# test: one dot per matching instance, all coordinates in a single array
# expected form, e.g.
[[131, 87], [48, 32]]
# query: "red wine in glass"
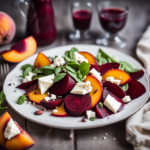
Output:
[[112, 19], [82, 19]]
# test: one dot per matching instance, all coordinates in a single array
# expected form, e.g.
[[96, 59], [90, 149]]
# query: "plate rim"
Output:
[[90, 126]]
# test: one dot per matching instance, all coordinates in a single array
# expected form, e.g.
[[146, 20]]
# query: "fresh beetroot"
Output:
[[63, 86], [76, 105], [106, 93], [52, 104], [137, 75], [93, 66], [105, 67], [23, 86], [136, 89], [31, 88], [115, 89]]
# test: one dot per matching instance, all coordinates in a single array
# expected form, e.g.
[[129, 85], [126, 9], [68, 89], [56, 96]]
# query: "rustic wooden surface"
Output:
[[57, 139]]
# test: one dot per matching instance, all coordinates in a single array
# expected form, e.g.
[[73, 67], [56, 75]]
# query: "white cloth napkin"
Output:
[[138, 125]]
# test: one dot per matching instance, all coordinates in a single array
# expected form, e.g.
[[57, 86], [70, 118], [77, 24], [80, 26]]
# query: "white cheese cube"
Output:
[[113, 80], [11, 130], [47, 98], [82, 88], [112, 104], [78, 57], [90, 114], [126, 99], [53, 96], [96, 74], [45, 83], [29, 77]]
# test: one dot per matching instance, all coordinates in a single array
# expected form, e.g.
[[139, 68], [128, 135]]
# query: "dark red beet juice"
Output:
[[82, 19], [112, 19]]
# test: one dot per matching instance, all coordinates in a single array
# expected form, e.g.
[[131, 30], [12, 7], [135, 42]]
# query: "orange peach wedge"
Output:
[[61, 112], [21, 50], [36, 96], [41, 60], [19, 142], [96, 91], [117, 74]]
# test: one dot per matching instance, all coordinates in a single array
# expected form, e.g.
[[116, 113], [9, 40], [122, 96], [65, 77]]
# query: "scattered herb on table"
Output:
[[21, 99]]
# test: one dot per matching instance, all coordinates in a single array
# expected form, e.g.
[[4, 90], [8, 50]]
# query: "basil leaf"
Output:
[[100, 59], [34, 78], [100, 105], [75, 66], [125, 87], [2, 96], [21, 99], [42, 69], [92, 119], [84, 68], [27, 70], [48, 72], [52, 58], [74, 75], [67, 56], [26, 66], [79, 74], [58, 69], [70, 69], [72, 52], [59, 77], [1, 108]]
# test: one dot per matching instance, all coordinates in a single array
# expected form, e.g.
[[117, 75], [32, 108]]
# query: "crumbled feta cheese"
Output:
[[112, 104], [29, 77], [126, 99], [82, 88], [32, 74], [113, 80], [96, 74], [58, 61], [90, 114], [78, 57], [11, 130], [52, 65], [14, 83], [55, 111], [47, 98], [53, 96], [46, 82]]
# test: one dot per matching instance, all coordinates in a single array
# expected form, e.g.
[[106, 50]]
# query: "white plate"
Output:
[[27, 110]]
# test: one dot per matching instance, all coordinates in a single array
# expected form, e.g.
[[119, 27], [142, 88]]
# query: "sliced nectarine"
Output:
[[3, 123], [61, 112], [41, 60], [21, 50], [96, 91], [91, 59], [117, 74], [36, 96]]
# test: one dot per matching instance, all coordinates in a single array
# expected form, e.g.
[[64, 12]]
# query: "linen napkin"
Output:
[[138, 125]]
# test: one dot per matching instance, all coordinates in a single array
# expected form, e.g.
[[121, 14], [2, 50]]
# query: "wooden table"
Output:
[[56, 139]]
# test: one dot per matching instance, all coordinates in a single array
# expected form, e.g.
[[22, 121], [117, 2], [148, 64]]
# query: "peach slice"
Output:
[[21, 50], [36, 96], [41, 60], [91, 59], [61, 111], [18, 142], [96, 91], [117, 74]]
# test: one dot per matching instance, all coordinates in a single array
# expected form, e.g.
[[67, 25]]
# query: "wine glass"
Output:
[[112, 17], [81, 16]]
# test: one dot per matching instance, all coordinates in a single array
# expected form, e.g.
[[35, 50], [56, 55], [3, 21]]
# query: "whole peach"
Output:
[[7, 28]]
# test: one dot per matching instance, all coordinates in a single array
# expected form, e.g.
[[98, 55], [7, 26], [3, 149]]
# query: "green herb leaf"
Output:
[[48, 72], [21, 76], [15, 90], [27, 70], [74, 75], [100, 59], [67, 56], [2, 97], [26, 66], [125, 87], [58, 69], [52, 58], [34, 78], [72, 52], [59, 77], [79, 74], [70, 69], [100, 105], [92, 119], [84, 68], [21, 99], [2, 108], [42, 69]]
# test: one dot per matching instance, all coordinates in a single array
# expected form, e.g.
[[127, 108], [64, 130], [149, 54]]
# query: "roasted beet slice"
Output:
[[105, 67], [115, 89], [76, 105], [31, 88], [23, 86], [52, 104], [137, 75], [94, 66], [106, 93], [136, 89], [63, 86]]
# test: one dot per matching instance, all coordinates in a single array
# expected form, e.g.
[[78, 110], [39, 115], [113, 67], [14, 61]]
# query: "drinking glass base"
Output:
[[111, 40]]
